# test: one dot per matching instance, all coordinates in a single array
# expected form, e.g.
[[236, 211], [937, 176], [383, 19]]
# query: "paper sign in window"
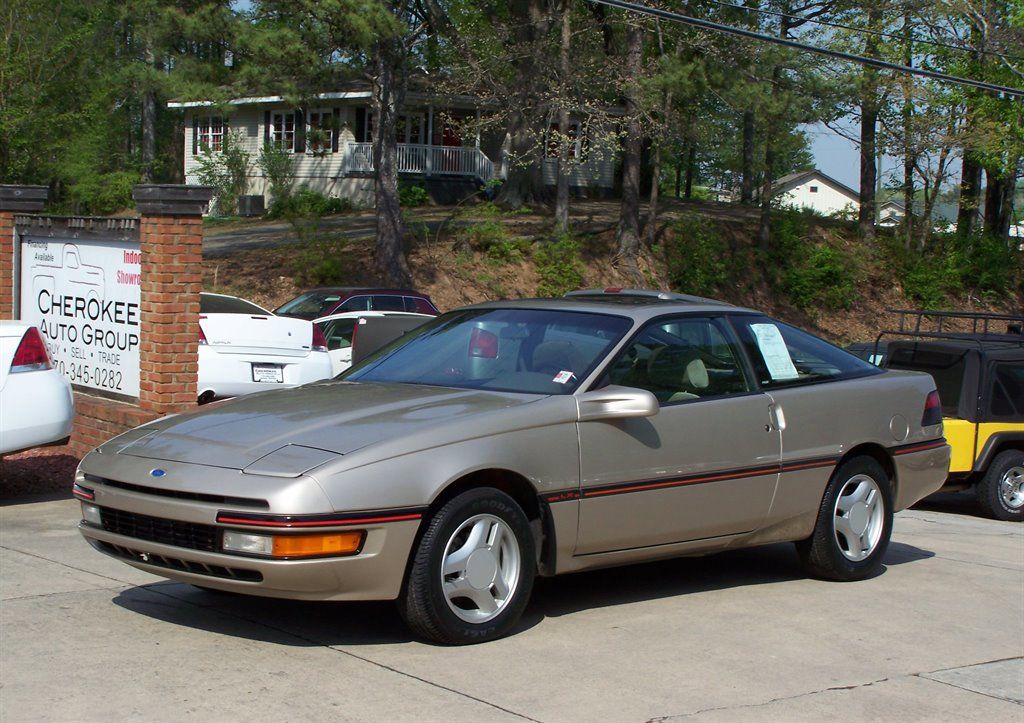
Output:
[[774, 351]]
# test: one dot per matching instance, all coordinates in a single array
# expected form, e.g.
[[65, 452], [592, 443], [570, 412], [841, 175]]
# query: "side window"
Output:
[[356, 303], [784, 356], [339, 333], [1008, 390], [388, 303], [682, 359]]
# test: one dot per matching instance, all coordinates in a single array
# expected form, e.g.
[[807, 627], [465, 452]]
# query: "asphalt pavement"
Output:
[[939, 635]]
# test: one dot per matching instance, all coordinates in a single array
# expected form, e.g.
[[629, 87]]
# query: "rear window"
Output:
[[214, 304], [312, 303], [946, 367], [1008, 391], [384, 302]]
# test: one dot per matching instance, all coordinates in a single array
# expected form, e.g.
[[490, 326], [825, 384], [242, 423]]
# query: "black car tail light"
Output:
[[932, 410]]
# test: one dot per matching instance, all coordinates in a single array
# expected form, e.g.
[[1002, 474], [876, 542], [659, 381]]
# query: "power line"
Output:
[[785, 42], [867, 31]]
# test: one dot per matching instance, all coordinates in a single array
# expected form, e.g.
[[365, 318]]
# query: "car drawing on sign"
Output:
[[339, 331], [81, 279], [512, 439], [36, 404], [317, 303], [980, 378], [243, 348]]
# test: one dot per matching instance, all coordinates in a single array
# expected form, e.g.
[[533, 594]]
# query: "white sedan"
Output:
[[36, 405], [338, 330], [244, 348]]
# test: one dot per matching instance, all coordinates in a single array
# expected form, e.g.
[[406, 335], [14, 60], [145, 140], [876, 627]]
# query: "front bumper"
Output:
[[375, 573]]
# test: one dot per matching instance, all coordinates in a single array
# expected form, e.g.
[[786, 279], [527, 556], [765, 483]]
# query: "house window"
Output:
[[364, 125], [282, 130], [577, 140], [410, 128], [320, 131], [210, 130], [814, 189]]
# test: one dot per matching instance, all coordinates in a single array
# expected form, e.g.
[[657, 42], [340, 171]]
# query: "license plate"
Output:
[[268, 373]]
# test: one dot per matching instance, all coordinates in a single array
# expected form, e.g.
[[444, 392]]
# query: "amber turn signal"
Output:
[[338, 543]]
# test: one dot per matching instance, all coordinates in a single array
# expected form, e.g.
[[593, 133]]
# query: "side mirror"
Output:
[[616, 403]]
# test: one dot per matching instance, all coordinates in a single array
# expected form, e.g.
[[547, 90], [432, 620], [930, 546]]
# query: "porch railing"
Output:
[[426, 160]]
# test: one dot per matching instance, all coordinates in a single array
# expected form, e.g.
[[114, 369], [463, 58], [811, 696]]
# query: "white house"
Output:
[[891, 213], [816, 191], [332, 143]]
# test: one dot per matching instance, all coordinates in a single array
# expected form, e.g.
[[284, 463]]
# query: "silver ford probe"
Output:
[[513, 439]]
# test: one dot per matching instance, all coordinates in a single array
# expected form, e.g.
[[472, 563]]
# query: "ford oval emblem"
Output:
[[157, 472]]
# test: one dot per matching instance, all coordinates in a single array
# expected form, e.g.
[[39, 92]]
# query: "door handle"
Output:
[[778, 418]]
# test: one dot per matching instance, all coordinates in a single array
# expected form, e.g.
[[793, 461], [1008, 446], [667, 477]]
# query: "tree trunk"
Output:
[[868, 134], [999, 187], [148, 121], [524, 182], [764, 226], [691, 167], [628, 236], [747, 180], [390, 252], [679, 175], [970, 190], [909, 155], [971, 168], [562, 182]]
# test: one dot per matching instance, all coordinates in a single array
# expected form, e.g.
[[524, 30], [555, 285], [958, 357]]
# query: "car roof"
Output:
[[996, 348], [364, 290], [635, 306]]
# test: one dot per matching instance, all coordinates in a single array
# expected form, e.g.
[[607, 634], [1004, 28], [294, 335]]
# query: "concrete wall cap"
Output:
[[172, 200], [22, 198]]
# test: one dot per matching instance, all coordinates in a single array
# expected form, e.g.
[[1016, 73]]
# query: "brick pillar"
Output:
[[13, 199], [171, 239]]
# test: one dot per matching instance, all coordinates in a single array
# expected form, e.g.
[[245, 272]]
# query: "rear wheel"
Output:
[[471, 573], [1001, 491], [854, 523]]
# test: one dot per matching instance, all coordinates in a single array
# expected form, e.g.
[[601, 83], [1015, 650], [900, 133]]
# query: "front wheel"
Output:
[[1001, 491], [854, 523], [471, 574]]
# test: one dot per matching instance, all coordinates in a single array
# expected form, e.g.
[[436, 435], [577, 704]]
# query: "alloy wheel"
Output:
[[480, 568]]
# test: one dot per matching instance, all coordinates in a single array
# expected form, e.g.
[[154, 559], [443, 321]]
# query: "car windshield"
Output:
[[530, 351], [312, 303], [215, 304]]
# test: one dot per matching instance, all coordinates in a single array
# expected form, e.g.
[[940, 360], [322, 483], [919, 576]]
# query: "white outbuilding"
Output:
[[816, 191]]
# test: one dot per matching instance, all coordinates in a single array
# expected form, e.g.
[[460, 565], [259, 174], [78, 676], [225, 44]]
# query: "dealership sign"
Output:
[[84, 297]]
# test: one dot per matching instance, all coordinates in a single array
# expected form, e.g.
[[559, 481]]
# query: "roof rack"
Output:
[[912, 320], [648, 293]]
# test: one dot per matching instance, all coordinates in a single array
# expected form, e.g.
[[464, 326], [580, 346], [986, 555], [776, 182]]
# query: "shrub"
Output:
[[559, 266], [319, 263], [278, 165], [410, 195], [305, 203], [227, 170], [102, 193], [695, 257], [823, 277]]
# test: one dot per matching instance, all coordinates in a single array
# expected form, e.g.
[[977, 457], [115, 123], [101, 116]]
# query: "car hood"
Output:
[[337, 417]]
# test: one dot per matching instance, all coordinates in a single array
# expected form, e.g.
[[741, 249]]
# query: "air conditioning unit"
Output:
[[251, 205]]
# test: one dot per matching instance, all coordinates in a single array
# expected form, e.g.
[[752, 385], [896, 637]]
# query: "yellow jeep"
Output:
[[980, 378]]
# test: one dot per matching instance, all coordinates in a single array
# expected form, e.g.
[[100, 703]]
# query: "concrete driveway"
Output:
[[740, 636]]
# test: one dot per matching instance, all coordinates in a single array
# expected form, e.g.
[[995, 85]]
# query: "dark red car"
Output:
[[334, 300]]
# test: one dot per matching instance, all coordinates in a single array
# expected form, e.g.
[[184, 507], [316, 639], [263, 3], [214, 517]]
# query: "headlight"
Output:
[[292, 546], [91, 514]]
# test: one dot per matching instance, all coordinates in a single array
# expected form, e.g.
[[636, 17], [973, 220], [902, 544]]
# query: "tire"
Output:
[[498, 571], [846, 549], [1001, 491]]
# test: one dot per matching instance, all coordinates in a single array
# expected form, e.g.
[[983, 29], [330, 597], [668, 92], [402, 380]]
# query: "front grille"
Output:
[[174, 563], [176, 494], [155, 529]]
